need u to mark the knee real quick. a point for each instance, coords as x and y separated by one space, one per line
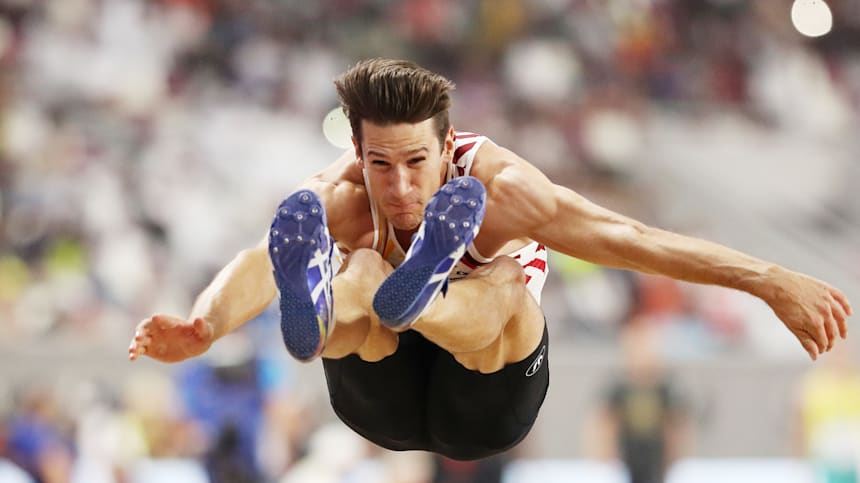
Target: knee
367 263
504 271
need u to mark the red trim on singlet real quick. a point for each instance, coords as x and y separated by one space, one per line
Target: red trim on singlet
537 263
463 150
466 135
470 261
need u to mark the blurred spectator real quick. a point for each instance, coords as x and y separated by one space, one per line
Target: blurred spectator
39 439
643 421
225 395
827 424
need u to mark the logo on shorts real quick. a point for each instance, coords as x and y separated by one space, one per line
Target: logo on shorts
535 366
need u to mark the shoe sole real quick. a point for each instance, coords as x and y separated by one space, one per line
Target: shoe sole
452 219
298 230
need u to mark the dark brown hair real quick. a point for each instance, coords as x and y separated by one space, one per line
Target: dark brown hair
385 91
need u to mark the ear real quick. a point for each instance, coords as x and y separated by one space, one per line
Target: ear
358 159
448 149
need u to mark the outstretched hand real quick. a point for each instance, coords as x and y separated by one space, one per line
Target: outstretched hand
171 339
815 312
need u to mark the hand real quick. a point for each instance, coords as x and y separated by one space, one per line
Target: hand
812 310
170 339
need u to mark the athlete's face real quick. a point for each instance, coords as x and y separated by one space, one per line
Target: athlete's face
405 166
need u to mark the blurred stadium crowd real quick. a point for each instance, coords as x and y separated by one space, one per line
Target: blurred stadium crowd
142 143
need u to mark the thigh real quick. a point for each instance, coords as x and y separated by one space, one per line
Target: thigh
473 415
385 401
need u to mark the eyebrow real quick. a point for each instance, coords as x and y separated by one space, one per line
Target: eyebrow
373 152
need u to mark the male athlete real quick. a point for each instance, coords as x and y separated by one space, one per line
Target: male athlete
411 360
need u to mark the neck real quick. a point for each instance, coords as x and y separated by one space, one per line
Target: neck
404 237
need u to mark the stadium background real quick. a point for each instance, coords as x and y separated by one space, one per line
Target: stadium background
142 143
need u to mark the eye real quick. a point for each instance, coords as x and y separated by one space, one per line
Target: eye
414 161
378 162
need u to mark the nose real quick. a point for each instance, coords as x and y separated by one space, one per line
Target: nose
399 184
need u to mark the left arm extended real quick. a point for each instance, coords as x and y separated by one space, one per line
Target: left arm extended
812 310
563 220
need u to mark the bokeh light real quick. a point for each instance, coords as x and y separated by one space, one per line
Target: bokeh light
811 17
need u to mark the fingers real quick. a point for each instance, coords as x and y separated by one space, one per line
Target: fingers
809 345
840 313
831 329
141 341
820 336
837 320
843 301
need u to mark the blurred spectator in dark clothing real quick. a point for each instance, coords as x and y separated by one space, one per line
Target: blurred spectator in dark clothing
643 421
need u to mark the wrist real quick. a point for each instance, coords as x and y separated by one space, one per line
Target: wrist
763 283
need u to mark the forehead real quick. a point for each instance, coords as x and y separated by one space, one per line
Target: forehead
392 137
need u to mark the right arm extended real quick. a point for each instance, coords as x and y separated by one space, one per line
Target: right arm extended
240 292
245 287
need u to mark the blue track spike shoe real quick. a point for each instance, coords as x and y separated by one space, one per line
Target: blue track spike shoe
301 249
452 219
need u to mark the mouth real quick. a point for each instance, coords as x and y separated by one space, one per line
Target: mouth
409 207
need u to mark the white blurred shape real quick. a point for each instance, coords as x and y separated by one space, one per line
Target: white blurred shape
811 17
10 473
159 470
333 451
612 138
793 87
336 128
546 145
542 71
26 131
747 470
558 471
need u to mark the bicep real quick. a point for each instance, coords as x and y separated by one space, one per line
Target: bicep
523 202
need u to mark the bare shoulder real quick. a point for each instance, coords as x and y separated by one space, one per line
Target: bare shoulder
341 188
519 195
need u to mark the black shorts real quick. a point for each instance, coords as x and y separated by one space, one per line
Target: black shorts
421 398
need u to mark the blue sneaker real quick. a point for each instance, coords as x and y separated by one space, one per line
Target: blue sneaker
452 219
301 249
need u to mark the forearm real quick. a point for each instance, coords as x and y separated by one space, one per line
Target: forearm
584 230
691 259
240 292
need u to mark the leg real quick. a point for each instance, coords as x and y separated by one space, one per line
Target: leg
357 329
472 415
486 320
386 401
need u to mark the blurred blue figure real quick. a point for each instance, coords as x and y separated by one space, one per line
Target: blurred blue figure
225 393
35 441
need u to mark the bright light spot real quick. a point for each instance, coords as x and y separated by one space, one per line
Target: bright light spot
336 128
811 17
